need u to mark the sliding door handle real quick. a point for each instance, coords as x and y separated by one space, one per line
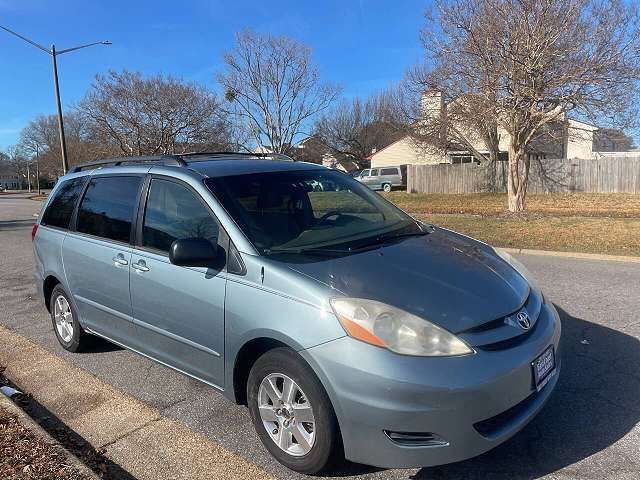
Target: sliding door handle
141 266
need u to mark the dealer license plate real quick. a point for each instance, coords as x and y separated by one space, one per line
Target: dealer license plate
544 368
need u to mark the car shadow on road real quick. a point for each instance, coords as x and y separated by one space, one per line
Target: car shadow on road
594 405
100 345
16 224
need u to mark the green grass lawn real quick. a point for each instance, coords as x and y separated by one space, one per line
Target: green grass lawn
590 223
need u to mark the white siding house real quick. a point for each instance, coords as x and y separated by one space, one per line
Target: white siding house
401 152
575 140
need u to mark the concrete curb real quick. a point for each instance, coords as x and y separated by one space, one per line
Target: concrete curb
582 256
27 422
135 437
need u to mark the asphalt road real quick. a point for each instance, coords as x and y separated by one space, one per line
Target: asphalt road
589 429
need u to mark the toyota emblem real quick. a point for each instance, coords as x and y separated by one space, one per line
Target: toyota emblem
523 320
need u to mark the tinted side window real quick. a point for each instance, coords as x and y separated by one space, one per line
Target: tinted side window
389 171
374 173
174 212
107 207
59 210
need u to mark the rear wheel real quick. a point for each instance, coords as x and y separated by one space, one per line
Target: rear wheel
292 413
386 187
65 321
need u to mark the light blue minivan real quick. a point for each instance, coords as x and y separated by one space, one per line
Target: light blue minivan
348 328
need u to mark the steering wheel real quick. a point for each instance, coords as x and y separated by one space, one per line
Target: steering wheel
326 216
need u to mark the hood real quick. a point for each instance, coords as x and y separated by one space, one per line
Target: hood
446 278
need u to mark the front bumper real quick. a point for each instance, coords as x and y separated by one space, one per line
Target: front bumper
374 390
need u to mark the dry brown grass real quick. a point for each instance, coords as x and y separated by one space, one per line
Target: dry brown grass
611 236
622 205
574 222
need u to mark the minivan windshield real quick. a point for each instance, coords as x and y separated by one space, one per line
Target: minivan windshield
309 210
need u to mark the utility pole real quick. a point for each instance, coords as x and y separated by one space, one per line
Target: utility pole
38 167
63 141
54 55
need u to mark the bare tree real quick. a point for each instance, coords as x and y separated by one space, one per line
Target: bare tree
18 163
273 88
40 137
535 62
155 115
354 129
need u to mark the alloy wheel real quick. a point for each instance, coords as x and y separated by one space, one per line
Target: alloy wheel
63 318
286 414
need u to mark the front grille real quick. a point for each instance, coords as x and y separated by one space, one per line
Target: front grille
493 426
509 342
504 333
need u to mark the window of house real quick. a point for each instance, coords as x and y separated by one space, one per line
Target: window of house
60 208
174 212
108 206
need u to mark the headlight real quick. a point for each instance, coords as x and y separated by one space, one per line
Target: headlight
401 332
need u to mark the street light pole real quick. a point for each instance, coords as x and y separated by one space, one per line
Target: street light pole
38 167
54 56
63 141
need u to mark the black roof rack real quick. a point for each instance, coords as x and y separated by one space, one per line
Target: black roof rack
274 156
176 160
173 160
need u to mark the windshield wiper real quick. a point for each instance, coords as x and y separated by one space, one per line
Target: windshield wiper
311 250
381 239
377 240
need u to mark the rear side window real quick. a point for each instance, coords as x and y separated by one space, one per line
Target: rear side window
60 208
174 212
389 171
374 173
107 207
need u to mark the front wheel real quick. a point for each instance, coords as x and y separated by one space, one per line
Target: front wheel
292 414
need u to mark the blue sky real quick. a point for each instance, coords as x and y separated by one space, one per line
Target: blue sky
363 45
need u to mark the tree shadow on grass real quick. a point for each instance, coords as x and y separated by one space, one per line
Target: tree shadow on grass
594 405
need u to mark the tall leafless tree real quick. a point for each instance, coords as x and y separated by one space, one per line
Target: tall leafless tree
154 115
354 129
40 137
535 62
273 88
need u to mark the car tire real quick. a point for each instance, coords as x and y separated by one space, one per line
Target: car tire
64 318
313 447
386 187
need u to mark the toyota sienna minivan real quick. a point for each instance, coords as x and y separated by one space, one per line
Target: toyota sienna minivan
348 328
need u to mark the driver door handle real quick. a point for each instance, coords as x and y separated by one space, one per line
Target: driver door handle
141 266
120 260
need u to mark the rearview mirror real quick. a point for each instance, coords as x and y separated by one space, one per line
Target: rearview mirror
194 252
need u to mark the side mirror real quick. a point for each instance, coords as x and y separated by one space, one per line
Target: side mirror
194 252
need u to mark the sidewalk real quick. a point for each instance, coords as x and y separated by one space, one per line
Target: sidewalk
579 255
139 441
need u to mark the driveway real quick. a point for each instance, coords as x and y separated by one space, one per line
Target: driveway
589 429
